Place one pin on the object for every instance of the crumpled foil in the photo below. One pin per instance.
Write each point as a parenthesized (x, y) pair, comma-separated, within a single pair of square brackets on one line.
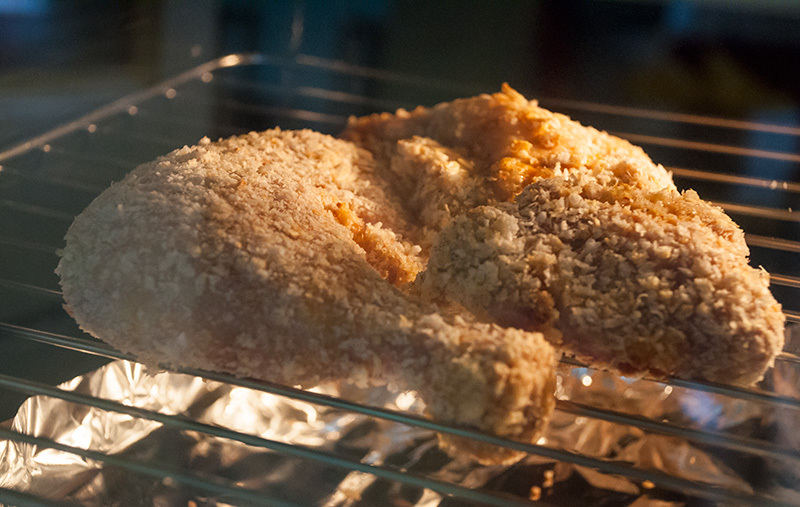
[(297, 480)]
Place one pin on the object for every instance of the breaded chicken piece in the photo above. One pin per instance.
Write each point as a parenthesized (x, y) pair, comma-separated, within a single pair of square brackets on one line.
[(581, 237), (264, 256), (292, 257)]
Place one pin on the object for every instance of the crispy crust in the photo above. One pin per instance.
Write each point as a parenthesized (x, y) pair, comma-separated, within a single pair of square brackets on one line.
[(292, 257), (632, 285), (241, 256), (450, 158), (580, 236)]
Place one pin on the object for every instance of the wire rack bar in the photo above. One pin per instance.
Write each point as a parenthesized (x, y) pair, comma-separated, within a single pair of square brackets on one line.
[(707, 121), (792, 316), (785, 280), (696, 174), (384, 75), (143, 114), (789, 357), (29, 245), (708, 147), (168, 143), (285, 112), (787, 215), (785, 245), (34, 289), (85, 345)]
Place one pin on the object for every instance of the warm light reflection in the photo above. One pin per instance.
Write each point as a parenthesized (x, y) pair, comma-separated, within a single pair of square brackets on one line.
[(230, 60), (405, 400)]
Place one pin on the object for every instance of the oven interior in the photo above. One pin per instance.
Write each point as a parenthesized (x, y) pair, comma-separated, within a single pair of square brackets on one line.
[(99, 429)]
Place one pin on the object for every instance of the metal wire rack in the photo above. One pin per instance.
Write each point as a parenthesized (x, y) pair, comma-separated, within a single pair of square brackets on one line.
[(750, 169)]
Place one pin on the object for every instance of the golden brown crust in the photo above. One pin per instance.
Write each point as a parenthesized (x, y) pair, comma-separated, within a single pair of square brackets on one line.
[(483, 150), (286, 256), (580, 236), (632, 285), (232, 256)]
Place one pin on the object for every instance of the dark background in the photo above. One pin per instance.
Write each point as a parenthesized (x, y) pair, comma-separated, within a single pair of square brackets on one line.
[(733, 59)]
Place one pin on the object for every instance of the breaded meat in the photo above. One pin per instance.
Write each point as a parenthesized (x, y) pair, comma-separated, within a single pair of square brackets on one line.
[(443, 250), (276, 256)]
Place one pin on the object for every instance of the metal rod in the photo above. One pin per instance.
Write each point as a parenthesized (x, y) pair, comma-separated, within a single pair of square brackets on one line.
[(696, 174)]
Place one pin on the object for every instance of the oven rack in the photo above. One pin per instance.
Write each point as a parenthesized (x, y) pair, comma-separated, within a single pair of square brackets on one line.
[(751, 169)]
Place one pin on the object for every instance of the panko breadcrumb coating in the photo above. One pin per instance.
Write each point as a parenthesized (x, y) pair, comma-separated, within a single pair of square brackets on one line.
[(637, 285), (450, 158), (273, 256), (441, 250), (577, 234)]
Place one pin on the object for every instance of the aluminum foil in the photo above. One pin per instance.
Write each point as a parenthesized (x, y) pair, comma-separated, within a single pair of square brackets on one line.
[(297, 480)]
